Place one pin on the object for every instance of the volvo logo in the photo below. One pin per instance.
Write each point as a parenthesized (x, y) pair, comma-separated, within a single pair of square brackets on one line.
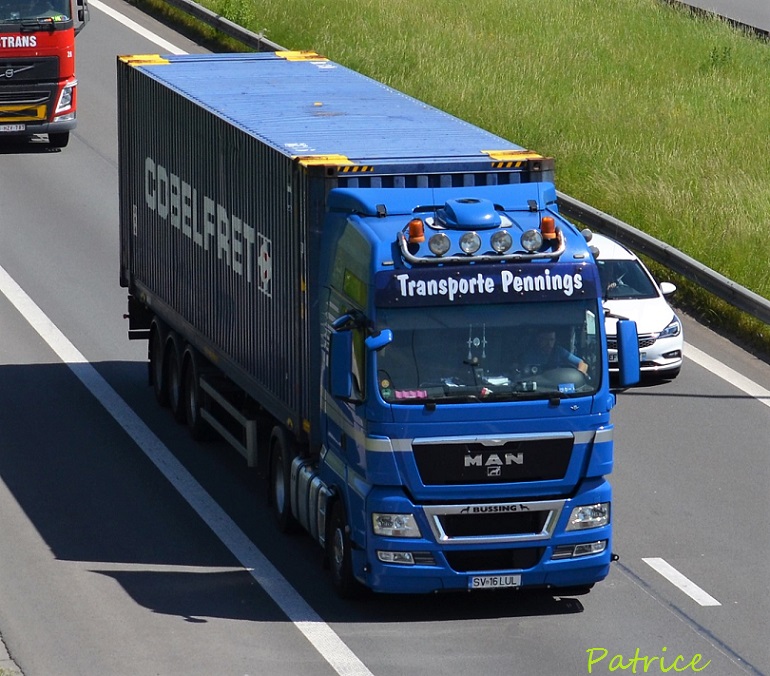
[(10, 72)]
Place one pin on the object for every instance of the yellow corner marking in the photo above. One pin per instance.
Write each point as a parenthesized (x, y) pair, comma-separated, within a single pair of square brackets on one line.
[(304, 55), (512, 155), (144, 60), (323, 160)]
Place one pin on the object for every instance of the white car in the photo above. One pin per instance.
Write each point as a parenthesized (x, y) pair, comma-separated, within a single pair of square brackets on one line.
[(630, 292)]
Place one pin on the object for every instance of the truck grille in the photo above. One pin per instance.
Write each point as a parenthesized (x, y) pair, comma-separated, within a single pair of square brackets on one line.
[(495, 559), (494, 522), (38, 69), (480, 461)]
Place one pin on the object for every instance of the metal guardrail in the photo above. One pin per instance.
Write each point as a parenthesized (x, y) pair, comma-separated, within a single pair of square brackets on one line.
[(256, 41), (706, 278), (660, 252)]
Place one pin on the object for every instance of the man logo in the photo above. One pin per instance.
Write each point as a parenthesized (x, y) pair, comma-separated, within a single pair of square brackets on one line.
[(494, 471), (494, 460)]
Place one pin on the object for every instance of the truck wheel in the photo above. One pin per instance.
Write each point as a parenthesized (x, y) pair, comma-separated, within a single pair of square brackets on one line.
[(174, 383), (281, 456), (157, 375), (339, 553), (200, 430), (59, 140)]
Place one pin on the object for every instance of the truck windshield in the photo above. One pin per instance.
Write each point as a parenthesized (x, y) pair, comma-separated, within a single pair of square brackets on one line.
[(475, 353), (18, 10)]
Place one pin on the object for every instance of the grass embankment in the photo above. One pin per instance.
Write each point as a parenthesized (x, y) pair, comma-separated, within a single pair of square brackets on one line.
[(654, 115)]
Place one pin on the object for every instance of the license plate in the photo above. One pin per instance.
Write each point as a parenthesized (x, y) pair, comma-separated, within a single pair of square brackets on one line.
[(12, 127), (494, 581)]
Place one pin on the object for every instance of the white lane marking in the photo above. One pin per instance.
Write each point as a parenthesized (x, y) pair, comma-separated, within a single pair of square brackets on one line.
[(321, 636), (132, 25), (726, 373), (685, 584)]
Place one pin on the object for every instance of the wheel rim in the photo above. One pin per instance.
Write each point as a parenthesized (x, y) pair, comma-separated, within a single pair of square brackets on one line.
[(173, 382), (338, 550), (278, 485), (192, 398)]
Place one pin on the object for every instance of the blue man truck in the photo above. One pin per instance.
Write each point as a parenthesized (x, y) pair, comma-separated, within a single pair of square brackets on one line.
[(349, 286)]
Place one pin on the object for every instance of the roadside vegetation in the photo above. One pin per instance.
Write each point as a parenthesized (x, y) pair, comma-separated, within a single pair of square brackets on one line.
[(654, 115)]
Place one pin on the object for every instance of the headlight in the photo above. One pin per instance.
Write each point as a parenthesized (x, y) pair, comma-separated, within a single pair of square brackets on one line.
[(589, 516), (65, 100), (673, 329), (395, 525)]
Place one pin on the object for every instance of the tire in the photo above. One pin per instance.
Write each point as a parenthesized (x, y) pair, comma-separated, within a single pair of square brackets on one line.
[(157, 367), (340, 555), (200, 430), (59, 140), (281, 456), (173, 373)]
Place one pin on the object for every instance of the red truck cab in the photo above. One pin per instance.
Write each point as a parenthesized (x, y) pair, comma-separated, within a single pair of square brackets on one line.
[(38, 88)]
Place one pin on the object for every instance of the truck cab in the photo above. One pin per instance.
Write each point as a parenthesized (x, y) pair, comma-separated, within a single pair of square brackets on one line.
[(38, 87), (461, 455)]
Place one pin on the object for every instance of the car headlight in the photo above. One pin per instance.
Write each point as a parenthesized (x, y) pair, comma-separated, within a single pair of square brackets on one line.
[(395, 525), (673, 329), (589, 516)]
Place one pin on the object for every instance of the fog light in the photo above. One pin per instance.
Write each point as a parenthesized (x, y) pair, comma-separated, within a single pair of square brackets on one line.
[(470, 242), (584, 549), (402, 558), (501, 241), (590, 548), (531, 240), (395, 525), (589, 516), (439, 244)]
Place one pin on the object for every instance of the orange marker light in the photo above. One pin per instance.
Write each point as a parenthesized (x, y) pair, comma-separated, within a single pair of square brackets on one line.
[(548, 227), (416, 230)]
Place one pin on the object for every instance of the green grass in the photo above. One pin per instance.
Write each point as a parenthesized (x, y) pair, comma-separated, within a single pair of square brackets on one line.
[(654, 115)]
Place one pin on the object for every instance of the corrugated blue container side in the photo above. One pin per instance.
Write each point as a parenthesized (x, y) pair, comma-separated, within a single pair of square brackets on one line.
[(235, 286)]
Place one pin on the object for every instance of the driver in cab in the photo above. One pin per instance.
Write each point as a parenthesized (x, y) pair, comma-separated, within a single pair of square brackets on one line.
[(546, 354)]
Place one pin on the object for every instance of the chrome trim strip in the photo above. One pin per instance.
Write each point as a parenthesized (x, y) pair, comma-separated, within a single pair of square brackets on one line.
[(435, 512)]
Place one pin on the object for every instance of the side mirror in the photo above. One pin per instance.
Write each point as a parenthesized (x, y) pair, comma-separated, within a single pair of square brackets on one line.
[(383, 338), (629, 366)]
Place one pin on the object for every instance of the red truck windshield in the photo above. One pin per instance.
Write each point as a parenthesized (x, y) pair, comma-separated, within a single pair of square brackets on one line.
[(12, 11)]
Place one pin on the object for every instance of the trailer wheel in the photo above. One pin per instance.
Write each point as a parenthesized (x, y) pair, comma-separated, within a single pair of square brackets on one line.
[(174, 382), (200, 430), (281, 456), (157, 378), (339, 553)]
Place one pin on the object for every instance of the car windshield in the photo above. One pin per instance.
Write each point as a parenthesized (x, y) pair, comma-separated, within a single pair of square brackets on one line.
[(625, 279), (490, 352), (18, 10)]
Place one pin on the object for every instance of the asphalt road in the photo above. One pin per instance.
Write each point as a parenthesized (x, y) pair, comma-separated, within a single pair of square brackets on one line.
[(754, 13), (127, 548)]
